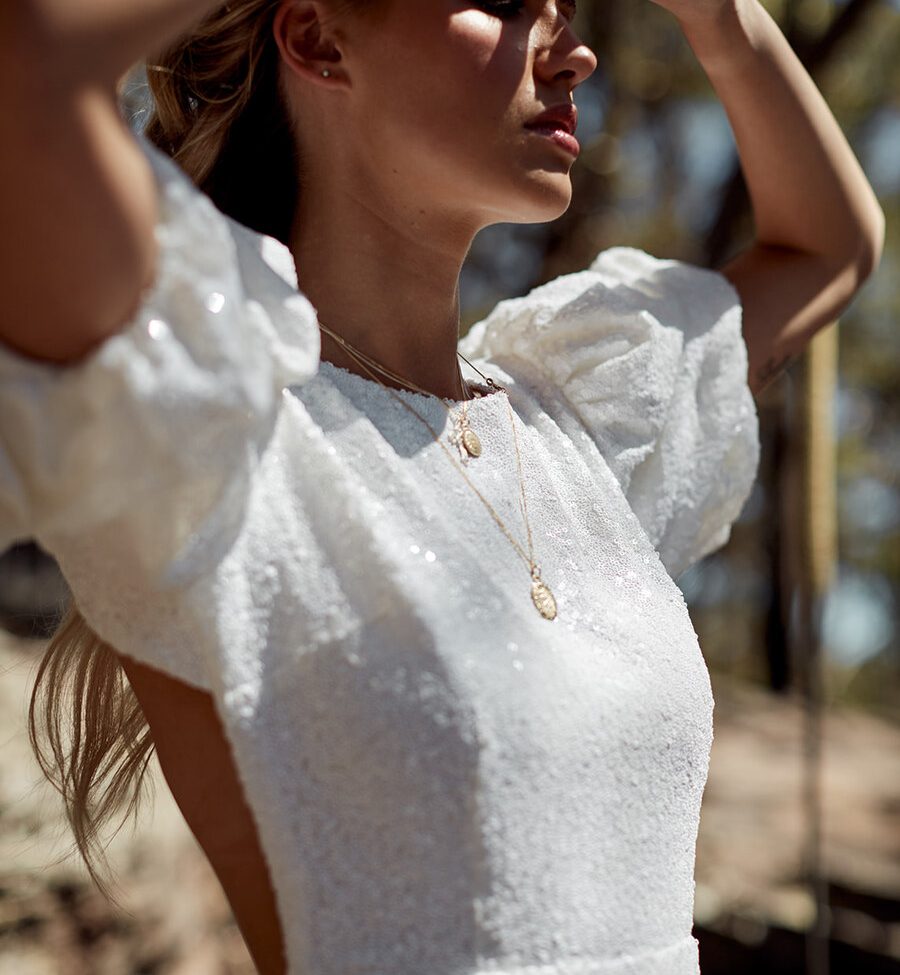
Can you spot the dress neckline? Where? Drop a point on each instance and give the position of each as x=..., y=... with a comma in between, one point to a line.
x=411, y=395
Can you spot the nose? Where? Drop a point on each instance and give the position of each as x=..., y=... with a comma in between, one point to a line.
x=564, y=56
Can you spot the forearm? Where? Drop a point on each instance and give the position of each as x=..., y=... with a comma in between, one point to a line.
x=78, y=201
x=807, y=189
x=90, y=42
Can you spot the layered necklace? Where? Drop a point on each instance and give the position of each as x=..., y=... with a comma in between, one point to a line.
x=469, y=446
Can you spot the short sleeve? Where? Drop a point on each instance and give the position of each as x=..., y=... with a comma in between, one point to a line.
x=649, y=355
x=138, y=460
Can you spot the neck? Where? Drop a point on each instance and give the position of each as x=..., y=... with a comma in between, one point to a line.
x=387, y=284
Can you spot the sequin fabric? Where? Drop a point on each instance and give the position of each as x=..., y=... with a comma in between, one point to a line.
x=445, y=783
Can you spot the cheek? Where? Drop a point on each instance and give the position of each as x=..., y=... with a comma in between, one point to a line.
x=476, y=38
x=493, y=54
x=445, y=99
x=439, y=71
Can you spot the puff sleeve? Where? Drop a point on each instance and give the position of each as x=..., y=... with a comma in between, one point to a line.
x=133, y=465
x=650, y=357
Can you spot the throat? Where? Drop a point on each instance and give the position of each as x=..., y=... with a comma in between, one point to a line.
x=427, y=378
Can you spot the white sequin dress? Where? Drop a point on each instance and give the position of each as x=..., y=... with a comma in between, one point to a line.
x=445, y=783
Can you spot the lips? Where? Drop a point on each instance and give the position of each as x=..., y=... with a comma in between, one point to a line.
x=557, y=125
x=563, y=117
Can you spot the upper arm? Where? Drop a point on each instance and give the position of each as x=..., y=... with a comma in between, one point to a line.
x=77, y=211
x=199, y=768
x=786, y=297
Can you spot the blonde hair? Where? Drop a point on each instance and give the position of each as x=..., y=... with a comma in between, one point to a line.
x=219, y=111
x=96, y=743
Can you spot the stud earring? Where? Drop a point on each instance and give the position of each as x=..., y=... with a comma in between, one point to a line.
x=326, y=73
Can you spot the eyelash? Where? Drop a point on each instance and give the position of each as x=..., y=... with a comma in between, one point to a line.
x=507, y=9
x=504, y=9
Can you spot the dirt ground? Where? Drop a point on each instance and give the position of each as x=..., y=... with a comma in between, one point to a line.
x=52, y=919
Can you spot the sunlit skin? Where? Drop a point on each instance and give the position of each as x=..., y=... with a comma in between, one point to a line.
x=414, y=142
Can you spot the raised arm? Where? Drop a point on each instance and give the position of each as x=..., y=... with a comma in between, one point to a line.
x=77, y=202
x=819, y=228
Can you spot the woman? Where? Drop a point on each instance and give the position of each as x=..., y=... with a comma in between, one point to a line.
x=408, y=645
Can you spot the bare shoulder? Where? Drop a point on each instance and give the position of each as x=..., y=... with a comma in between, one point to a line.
x=198, y=764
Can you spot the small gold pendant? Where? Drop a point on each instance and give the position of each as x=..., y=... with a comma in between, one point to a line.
x=543, y=599
x=471, y=442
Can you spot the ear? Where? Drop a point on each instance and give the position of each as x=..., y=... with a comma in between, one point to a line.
x=308, y=43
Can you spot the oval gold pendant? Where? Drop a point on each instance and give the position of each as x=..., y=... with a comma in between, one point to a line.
x=543, y=599
x=471, y=443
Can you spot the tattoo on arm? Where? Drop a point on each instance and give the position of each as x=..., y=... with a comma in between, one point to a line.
x=772, y=369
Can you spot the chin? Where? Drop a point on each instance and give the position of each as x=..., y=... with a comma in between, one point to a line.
x=548, y=197
x=537, y=196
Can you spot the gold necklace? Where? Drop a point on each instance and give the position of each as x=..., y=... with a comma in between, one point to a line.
x=541, y=595
x=463, y=437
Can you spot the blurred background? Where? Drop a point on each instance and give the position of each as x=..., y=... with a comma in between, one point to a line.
x=798, y=860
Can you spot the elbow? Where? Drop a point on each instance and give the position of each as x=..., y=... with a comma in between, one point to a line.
x=871, y=244
x=859, y=256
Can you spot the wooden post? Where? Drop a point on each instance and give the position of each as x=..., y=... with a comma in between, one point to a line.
x=816, y=565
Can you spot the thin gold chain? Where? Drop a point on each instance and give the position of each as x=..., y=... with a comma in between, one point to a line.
x=527, y=559
x=531, y=563
x=490, y=382
x=393, y=375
